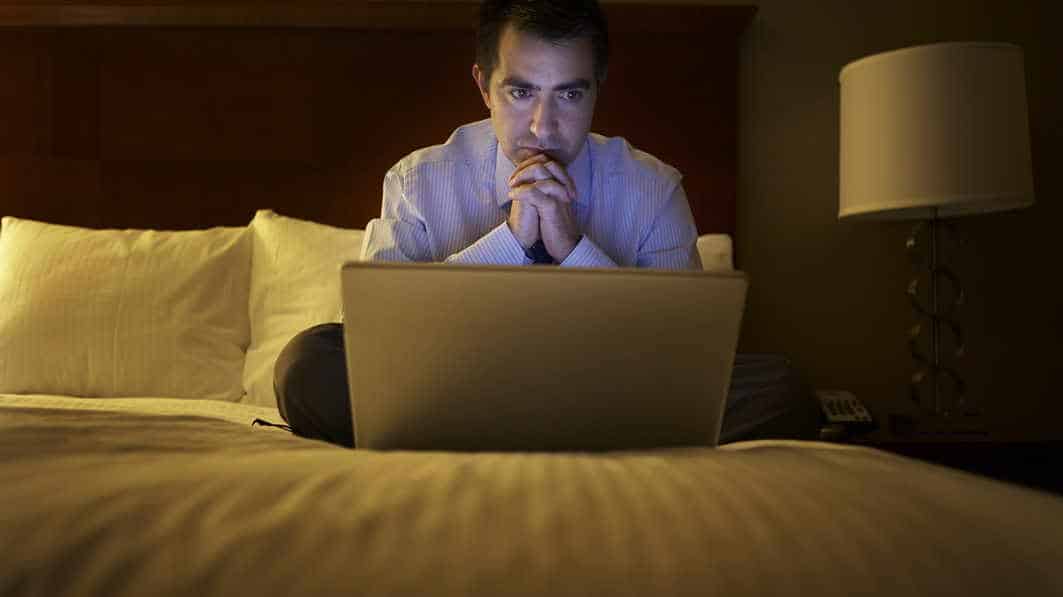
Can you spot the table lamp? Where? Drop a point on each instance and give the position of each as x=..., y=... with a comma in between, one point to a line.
x=930, y=133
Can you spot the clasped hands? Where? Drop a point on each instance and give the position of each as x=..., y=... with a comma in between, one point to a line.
x=542, y=193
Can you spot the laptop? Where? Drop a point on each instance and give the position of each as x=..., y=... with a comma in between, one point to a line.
x=449, y=357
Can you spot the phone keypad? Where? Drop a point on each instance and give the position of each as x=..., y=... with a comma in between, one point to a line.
x=843, y=407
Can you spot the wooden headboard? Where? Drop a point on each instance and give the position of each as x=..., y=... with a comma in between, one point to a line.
x=187, y=114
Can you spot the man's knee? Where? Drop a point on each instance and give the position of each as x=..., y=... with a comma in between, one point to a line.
x=308, y=350
x=310, y=380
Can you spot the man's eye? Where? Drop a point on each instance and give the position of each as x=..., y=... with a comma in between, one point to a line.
x=572, y=95
x=519, y=93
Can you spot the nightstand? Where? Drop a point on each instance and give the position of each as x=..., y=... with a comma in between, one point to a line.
x=1034, y=463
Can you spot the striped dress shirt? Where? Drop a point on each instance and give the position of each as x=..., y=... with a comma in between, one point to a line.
x=449, y=203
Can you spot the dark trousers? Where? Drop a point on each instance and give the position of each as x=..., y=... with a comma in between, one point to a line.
x=310, y=380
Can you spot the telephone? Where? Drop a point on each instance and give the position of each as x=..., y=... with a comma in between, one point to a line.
x=843, y=414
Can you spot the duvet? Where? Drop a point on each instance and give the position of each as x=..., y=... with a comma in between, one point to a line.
x=185, y=497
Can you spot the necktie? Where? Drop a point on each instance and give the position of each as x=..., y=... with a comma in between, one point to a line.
x=537, y=253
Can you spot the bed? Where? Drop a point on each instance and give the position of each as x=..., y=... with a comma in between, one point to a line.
x=180, y=183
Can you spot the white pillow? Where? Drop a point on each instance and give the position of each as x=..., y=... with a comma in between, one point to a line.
x=716, y=252
x=123, y=312
x=295, y=284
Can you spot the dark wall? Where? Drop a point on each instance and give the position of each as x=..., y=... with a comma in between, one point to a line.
x=832, y=293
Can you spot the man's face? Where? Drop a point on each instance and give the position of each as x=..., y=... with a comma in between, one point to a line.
x=541, y=95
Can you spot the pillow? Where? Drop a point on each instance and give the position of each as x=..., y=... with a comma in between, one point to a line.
x=123, y=312
x=295, y=283
x=715, y=251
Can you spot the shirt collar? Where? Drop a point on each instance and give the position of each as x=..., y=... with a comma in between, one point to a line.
x=579, y=170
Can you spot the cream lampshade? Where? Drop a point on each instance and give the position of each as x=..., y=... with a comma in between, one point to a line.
x=932, y=132
x=937, y=130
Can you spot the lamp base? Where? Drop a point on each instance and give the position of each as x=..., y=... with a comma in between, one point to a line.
x=930, y=426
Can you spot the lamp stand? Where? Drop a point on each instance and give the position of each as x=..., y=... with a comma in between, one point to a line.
x=945, y=409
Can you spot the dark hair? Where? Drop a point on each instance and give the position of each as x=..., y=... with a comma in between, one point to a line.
x=552, y=20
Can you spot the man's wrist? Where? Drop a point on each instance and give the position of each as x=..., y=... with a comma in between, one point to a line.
x=570, y=249
x=524, y=244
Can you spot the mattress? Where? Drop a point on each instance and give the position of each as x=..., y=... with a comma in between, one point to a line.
x=178, y=497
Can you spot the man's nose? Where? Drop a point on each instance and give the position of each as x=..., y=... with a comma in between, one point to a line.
x=544, y=121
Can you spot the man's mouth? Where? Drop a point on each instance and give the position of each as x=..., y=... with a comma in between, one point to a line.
x=531, y=150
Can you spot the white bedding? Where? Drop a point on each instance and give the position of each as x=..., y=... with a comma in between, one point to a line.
x=234, y=412
x=178, y=497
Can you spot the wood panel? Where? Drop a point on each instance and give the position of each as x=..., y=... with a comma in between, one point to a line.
x=25, y=98
x=178, y=126
x=75, y=101
x=196, y=95
x=351, y=14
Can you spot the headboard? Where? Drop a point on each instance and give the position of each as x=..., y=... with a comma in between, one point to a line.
x=187, y=114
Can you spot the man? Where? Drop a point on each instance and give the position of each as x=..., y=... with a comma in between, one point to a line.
x=529, y=185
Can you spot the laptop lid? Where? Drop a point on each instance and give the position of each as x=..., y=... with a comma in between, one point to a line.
x=537, y=358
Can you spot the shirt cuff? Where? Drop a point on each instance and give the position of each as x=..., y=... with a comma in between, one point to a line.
x=587, y=254
x=497, y=247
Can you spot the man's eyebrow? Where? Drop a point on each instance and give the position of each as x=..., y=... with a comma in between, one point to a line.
x=583, y=84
